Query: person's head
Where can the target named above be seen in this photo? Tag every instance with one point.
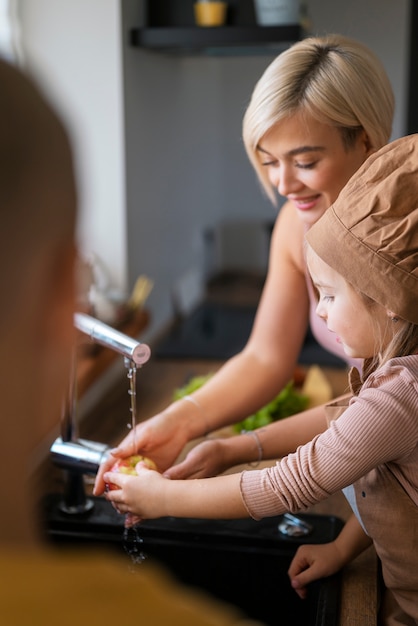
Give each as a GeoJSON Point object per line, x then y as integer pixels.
{"type": "Point", "coordinates": [37, 253]}
{"type": "Point", "coordinates": [329, 93]}
{"type": "Point", "coordinates": [363, 256]}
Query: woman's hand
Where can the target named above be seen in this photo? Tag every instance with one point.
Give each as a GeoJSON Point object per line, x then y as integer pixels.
{"type": "Point", "coordinates": [207, 459]}
{"type": "Point", "coordinates": [161, 438]}
{"type": "Point", "coordinates": [312, 562]}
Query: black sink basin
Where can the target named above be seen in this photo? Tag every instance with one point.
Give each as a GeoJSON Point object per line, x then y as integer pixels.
{"type": "Point", "coordinates": [241, 561]}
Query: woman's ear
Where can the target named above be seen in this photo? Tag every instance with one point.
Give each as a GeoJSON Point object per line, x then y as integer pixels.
{"type": "Point", "coordinates": [364, 138]}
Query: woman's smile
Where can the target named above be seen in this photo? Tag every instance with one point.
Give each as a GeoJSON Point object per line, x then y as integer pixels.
{"type": "Point", "coordinates": [305, 204]}
{"type": "Point", "coordinates": [308, 163]}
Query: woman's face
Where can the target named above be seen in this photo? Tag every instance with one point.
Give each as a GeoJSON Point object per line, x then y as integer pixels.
{"type": "Point", "coordinates": [308, 163]}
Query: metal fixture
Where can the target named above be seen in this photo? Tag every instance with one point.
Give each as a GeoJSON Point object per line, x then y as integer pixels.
{"type": "Point", "coordinates": [107, 336]}
{"type": "Point", "coordinates": [293, 526]}
{"type": "Point", "coordinates": [80, 456]}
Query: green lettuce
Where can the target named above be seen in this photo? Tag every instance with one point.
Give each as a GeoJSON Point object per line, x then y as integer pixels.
{"type": "Point", "coordinates": [288, 402]}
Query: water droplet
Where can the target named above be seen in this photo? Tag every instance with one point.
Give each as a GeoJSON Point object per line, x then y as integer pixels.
{"type": "Point", "coordinates": [132, 543]}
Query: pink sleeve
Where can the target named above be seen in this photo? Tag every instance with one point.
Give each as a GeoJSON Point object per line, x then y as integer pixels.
{"type": "Point", "coordinates": [379, 426]}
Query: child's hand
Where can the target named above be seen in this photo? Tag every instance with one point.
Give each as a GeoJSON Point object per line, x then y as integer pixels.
{"type": "Point", "coordinates": [141, 496]}
{"type": "Point", "coordinates": [312, 562]}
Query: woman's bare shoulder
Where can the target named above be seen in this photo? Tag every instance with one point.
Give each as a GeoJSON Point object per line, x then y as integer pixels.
{"type": "Point", "coordinates": [288, 236]}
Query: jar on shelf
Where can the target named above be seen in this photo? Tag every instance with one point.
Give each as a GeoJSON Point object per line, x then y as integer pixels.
{"type": "Point", "coordinates": [210, 12]}
{"type": "Point", "coordinates": [277, 12]}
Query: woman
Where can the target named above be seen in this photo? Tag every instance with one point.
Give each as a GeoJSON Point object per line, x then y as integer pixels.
{"type": "Point", "coordinates": [318, 111]}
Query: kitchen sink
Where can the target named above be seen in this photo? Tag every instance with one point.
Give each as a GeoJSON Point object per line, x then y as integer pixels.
{"type": "Point", "coordinates": [242, 562]}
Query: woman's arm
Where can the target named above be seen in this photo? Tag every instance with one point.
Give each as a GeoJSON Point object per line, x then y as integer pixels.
{"type": "Point", "coordinates": [317, 561]}
{"type": "Point", "coordinates": [214, 456]}
{"type": "Point", "coordinates": [253, 377]}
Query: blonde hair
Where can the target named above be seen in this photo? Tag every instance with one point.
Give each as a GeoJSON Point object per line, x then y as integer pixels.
{"type": "Point", "coordinates": [336, 80]}
{"type": "Point", "coordinates": [403, 343]}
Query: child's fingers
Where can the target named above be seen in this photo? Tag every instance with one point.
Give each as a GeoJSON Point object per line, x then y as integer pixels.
{"type": "Point", "coordinates": [300, 562]}
{"type": "Point", "coordinates": [302, 591]}
{"type": "Point", "coordinates": [312, 562]}
{"type": "Point", "coordinates": [302, 570]}
{"type": "Point", "coordinates": [131, 520]}
{"type": "Point", "coordinates": [300, 581]}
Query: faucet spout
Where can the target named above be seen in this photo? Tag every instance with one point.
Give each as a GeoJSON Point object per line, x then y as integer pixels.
{"type": "Point", "coordinates": [107, 336]}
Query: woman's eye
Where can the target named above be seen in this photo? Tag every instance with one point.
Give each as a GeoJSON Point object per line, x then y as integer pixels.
{"type": "Point", "coordinates": [269, 163]}
{"type": "Point", "coordinates": [327, 298]}
{"type": "Point", "coordinates": [306, 166]}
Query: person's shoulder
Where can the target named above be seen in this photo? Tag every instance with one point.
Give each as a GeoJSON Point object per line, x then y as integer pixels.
{"type": "Point", "coordinates": [288, 233]}
{"type": "Point", "coordinates": [397, 371]}
{"type": "Point", "coordinates": [389, 395]}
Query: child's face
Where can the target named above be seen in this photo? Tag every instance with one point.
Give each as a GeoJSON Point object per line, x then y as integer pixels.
{"type": "Point", "coordinates": [346, 314]}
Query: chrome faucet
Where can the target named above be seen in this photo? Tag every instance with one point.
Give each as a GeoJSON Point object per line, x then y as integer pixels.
{"type": "Point", "coordinates": [79, 456]}
{"type": "Point", "coordinates": [105, 335]}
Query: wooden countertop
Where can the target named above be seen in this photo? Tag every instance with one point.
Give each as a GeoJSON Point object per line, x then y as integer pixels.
{"type": "Point", "coordinates": [156, 381]}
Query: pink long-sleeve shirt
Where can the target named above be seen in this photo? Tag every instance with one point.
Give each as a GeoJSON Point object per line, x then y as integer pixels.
{"type": "Point", "coordinates": [380, 426]}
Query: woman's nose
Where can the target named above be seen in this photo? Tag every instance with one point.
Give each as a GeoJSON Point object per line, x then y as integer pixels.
{"type": "Point", "coordinates": [287, 182]}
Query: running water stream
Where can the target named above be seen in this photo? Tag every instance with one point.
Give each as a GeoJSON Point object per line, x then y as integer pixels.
{"type": "Point", "coordinates": [132, 394]}
{"type": "Point", "coordinates": [132, 541]}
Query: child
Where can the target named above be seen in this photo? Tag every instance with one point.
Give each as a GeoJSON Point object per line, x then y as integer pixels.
{"type": "Point", "coordinates": [363, 259]}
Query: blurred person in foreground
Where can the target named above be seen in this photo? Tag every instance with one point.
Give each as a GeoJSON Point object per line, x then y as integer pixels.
{"type": "Point", "coordinates": [37, 250]}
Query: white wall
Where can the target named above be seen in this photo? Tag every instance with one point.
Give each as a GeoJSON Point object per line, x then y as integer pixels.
{"type": "Point", "coordinates": [186, 166]}
{"type": "Point", "coordinates": [383, 25]}
{"type": "Point", "coordinates": [74, 49]}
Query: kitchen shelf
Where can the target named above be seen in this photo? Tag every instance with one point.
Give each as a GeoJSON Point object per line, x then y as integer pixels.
{"type": "Point", "coordinates": [223, 38]}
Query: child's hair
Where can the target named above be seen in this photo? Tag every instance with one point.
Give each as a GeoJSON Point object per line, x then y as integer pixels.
{"type": "Point", "coordinates": [336, 80]}
{"type": "Point", "coordinates": [403, 343]}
